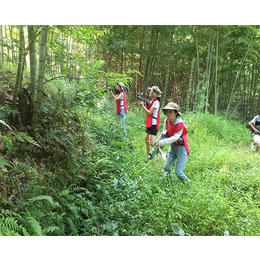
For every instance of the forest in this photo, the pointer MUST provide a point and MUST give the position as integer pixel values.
(66, 168)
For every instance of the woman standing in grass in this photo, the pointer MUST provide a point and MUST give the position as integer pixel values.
(179, 149)
(255, 125)
(121, 105)
(152, 118)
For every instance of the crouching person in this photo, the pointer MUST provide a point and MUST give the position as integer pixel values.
(179, 147)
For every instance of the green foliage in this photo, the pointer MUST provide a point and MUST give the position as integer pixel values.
(229, 131)
(16, 141)
(33, 225)
(10, 224)
(83, 177)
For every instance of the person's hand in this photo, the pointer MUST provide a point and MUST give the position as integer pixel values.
(159, 145)
(142, 102)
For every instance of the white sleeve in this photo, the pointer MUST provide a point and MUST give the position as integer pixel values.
(172, 139)
(253, 120)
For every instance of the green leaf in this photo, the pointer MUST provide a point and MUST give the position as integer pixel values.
(5, 163)
(43, 197)
(35, 225)
(4, 123)
(177, 230)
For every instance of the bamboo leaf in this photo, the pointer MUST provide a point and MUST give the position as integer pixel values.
(43, 197)
(5, 124)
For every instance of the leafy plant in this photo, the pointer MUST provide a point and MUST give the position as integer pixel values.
(11, 224)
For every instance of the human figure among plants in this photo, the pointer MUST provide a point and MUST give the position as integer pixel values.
(255, 126)
(152, 119)
(177, 138)
(121, 104)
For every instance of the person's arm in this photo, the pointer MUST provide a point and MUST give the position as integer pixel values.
(253, 127)
(117, 97)
(148, 112)
(171, 139)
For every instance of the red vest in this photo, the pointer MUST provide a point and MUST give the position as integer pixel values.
(149, 118)
(172, 129)
(118, 105)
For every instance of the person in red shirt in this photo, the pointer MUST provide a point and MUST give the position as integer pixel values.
(177, 138)
(121, 104)
(152, 118)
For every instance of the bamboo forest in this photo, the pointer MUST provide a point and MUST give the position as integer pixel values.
(71, 166)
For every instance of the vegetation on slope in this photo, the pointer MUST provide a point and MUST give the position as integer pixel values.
(82, 177)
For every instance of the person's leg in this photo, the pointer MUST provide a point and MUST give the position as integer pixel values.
(171, 157)
(181, 162)
(253, 147)
(122, 120)
(147, 142)
(257, 142)
(152, 140)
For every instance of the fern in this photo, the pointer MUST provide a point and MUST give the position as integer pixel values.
(22, 137)
(34, 225)
(15, 138)
(29, 139)
(72, 226)
(52, 229)
(10, 225)
(3, 162)
(8, 141)
(43, 197)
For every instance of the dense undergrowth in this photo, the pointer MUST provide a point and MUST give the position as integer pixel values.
(83, 177)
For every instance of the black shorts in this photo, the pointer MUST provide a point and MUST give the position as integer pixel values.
(151, 130)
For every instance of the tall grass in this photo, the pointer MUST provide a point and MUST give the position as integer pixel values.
(223, 195)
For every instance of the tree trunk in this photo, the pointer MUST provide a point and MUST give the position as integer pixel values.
(141, 59)
(198, 91)
(216, 77)
(153, 61)
(33, 63)
(1, 47)
(190, 88)
(12, 43)
(147, 66)
(19, 67)
(38, 101)
(168, 67)
(234, 85)
(208, 72)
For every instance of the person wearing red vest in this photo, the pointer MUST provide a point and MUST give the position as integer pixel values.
(177, 138)
(121, 104)
(152, 118)
(255, 126)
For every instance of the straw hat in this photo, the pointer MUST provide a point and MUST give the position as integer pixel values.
(171, 106)
(156, 91)
(122, 85)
